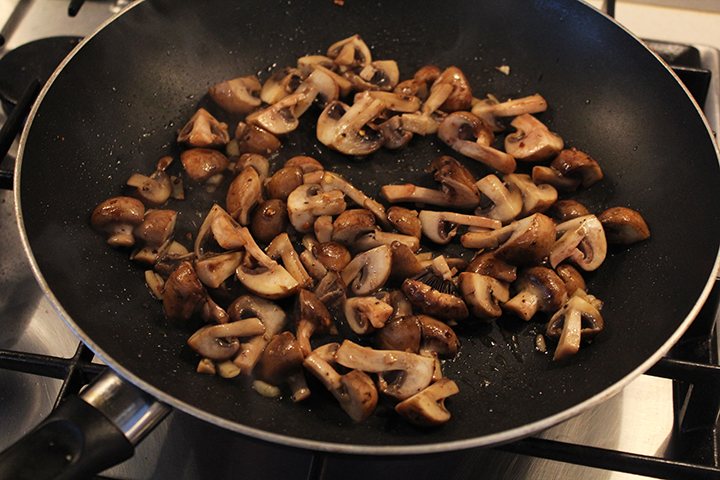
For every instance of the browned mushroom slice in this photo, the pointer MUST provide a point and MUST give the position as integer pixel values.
(239, 95)
(378, 75)
(571, 277)
(441, 227)
(624, 225)
(332, 255)
(412, 372)
(283, 182)
(505, 199)
(350, 52)
(486, 263)
(313, 266)
(156, 228)
(344, 128)
(491, 110)
(460, 98)
(483, 294)
(458, 187)
(272, 317)
(184, 293)
(205, 166)
(156, 189)
(332, 181)
(220, 342)
(311, 316)
(405, 220)
(365, 314)
(581, 241)
(253, 139)
(572, 163)
(564, 210)
(368, 271)
(524, 242)
(117, 218)
(309, 201)
(281, 362)
(427, 408)
(533, 141)
(204, 130)
(435, 296)
(244, 193)
(537, 289)
(577, 320)
(536, 198)
(264, 276)
(279, 118)
(269, 219)
(355, 390)
(351, 225)
(280, 84)
(471, 136)
(331, 290)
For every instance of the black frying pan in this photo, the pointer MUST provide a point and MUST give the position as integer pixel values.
(115, 106)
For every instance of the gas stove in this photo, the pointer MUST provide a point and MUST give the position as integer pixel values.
(661, 425)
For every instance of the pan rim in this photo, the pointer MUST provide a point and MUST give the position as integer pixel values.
(499, 438)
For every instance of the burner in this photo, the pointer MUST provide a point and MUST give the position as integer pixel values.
(28, 62)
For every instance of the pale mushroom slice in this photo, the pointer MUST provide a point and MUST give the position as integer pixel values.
(309, 63)
(344, 128)
(492, 110)
(379, 75)
(239, 95)
(581, 241)
(355, 391)
(505, 199)
(368, 271)
(309, 201)
(412, 372)
(457, 187)
(203, 131)
(272, 317)
(220, 342)
(350, 52)
(281, 248)
(537, 289)
(117, 217)
(623, 225)
(471, 136)
(265, 277)
(280, 84)
(367, 313)
(532, 141)
(523, 242)
(319, 88)
(213, 270)
(427, 408)
(332, 181)
(441, 227)
(280, 117)
(156, 189)
(577, 320)
(535, 198)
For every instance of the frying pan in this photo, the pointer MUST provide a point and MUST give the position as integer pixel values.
(114, 107)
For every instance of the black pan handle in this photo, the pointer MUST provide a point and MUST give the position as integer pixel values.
(86, 434)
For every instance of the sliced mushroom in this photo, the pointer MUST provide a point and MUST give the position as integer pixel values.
(203, 130)
(405, 220)
(214, 270)
(184, 294)
(572, 163)
(483, 294)
(581, 241)
(283, 182)
(365, 314)
(377, 75)
(280, 117)
(441, 227)
(524, 242)
(435, 296)
(458, 127)
(537, 289)
(205, 166)
(280, 84)
(572, 279)
(564, 210)
(427, 408)
(281, 362)
(156, 189)
(253, 139)
(282, 248)
(156, 228)
(332, 181)
(396, 102)
(368, 271)
(332, 255)
(577, 320)
(505, 199)
(491, 110)
(344, 128)
(536, 198)
(319, 88)
(244, 193)
(458, 187)
(265, 278)
(239, 95)
(624, 225)
(355, 390)
(311, 316)
(350, 52)
(412, 372)
(117, 218)
(309, 201)
(486, 263)
(220, 342)
(269, 219)
(533, 141)
(460, 98)
(272, 317)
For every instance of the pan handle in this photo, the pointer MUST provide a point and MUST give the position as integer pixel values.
(86, 434)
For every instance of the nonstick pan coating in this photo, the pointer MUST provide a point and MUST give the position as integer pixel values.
(114, 109)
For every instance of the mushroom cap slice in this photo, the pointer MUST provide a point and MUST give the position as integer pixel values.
(405, 220)
(536, 198)
(623, 225)
(344, 128)
(460, 97)
(184, 293)
(117, 217)
(491, 110)
(204, 165)
(281, 362)
(365, 314)
(280, 84)
(215, 269)
(368, 271)
(244, 193)
(538, 289)
(281, 117)
(582, 241)
(427, 408)
(577, 320)
(203, 130)
(483, 294)
(239, 95)
(433, 302)
(572, 163)
(533, 141)
(309, 201)
(506, 199)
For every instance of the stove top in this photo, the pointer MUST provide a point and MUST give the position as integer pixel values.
(637, 422)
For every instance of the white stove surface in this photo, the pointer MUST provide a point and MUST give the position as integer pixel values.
(637, 420)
